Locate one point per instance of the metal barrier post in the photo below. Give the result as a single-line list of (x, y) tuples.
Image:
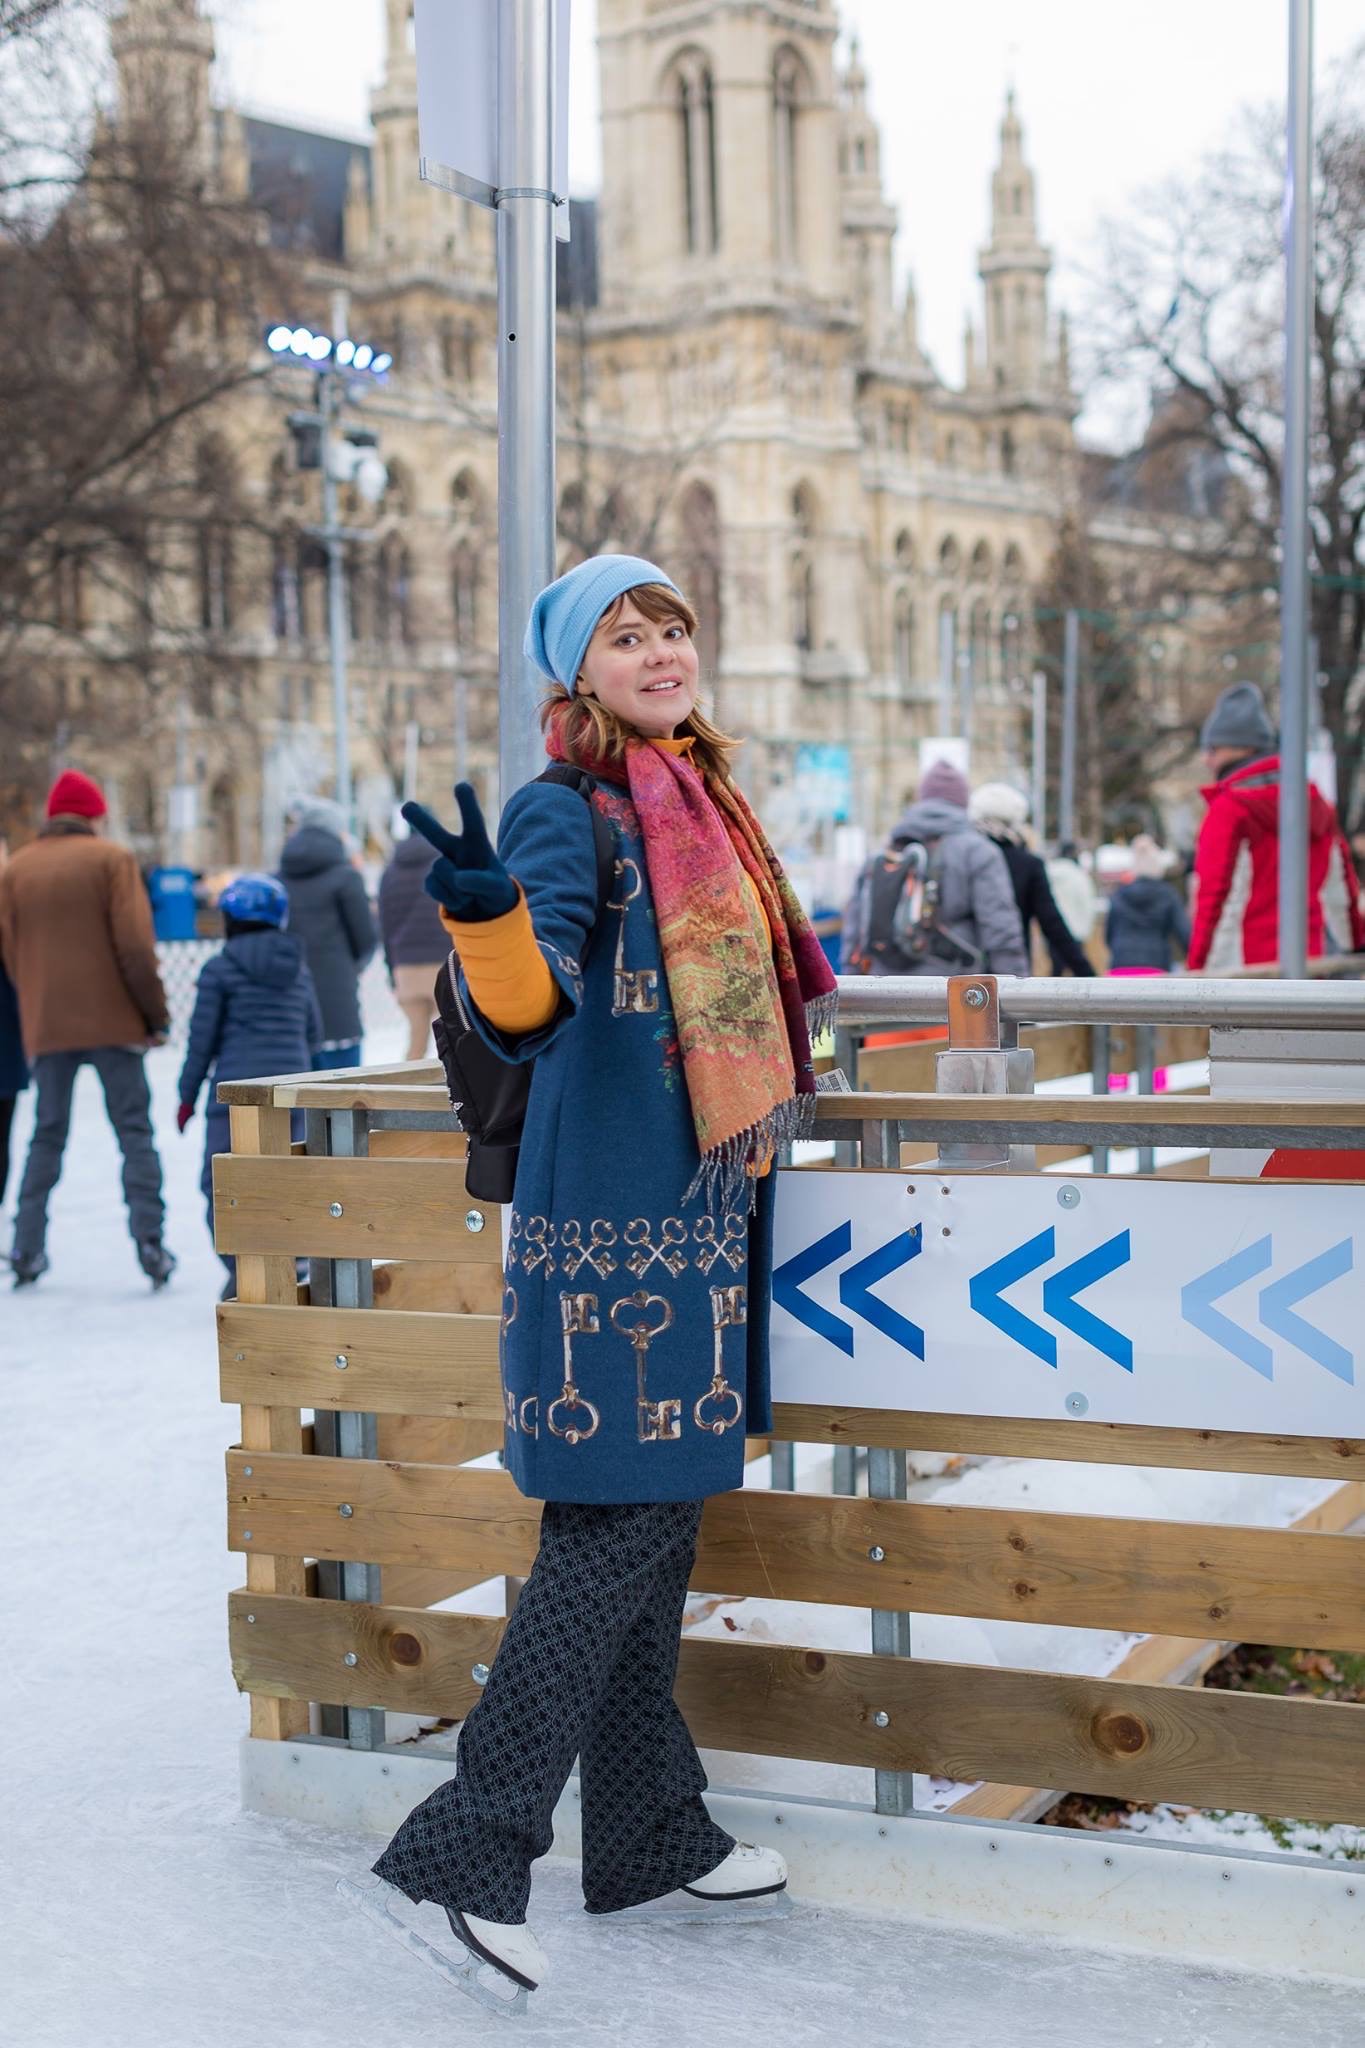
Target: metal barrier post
[(346, 1283), (1099, 1080), (1145, 1040), (887, 1480)]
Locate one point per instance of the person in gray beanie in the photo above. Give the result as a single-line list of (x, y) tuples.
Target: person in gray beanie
[(973, 916), (1237, 860), (330, 912)]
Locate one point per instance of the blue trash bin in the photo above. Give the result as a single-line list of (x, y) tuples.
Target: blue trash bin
[(173, 906)]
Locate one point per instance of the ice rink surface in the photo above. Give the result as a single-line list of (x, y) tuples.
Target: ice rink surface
[(143, 1909)]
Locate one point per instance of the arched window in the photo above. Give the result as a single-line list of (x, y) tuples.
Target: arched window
[(904, 550), (1014, 562), (1007, 452), (980, 642), (285, 616), (699, 554), (801, 582), (949, 557), (696, 114), (215, 577), (70, 598), (788, 93), (903, 639), (981, 562), (617, 524), (312, 590), (464, 592)]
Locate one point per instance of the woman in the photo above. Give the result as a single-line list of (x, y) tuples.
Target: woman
[(672, 1051), (1146, 919), (411, 934), (1002, 813)]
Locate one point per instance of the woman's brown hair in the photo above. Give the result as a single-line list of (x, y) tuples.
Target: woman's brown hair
[(590, 732)]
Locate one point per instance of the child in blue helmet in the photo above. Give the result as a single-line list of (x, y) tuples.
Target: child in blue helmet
[(255, 1012)]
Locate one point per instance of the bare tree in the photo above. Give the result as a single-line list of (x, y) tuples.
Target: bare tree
[(131, 286), (1189, 304)]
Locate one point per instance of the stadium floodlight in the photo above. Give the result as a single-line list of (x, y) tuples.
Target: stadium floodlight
[(310, 347)]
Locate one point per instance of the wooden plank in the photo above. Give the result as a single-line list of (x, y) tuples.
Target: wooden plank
[(1059, 1050), (1117, 1112), (1243, 1751), (1080, 1571), (262, 1092), (427, 1285), (432, 1098), (418, 1145), (435, 1439), (1097, 1443), (406, 1361), (258, 1132), (401, 1208)]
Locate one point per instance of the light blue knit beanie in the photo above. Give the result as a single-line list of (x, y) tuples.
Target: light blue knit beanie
[(564, 617)]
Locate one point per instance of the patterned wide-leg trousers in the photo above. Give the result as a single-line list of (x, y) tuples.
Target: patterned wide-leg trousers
[(586, 1669)]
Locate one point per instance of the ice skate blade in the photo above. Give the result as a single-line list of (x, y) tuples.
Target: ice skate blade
[(682, 1909), (383, 1904)]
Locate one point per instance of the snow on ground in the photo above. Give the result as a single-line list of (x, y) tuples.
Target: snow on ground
[(143, 1909)]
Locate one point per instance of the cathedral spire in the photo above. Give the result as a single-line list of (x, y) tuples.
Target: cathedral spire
[(163, 55), (1014, 267)]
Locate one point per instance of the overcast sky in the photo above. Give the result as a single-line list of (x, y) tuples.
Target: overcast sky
[(1112, 97)]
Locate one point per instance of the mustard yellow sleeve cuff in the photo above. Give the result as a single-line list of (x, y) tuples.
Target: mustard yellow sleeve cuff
[(505, 968)]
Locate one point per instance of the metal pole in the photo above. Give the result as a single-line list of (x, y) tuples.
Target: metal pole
[(947, 637), (967, 697), (1298, 265), (887, 1479), (526, 365), (1040, 753), (335, 544), (1071, 676)]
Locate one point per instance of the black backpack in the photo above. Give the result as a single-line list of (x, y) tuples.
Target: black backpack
[(896, 916), (489, 1094)]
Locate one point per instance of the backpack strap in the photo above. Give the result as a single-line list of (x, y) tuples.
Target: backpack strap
[(604, 845)]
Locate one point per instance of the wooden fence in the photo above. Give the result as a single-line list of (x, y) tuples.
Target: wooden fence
[(423, 1360)]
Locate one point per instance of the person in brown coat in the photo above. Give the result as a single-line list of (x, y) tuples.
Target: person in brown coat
[(76, 940)]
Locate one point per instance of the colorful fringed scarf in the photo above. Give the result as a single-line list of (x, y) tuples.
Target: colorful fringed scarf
[(747, 998)]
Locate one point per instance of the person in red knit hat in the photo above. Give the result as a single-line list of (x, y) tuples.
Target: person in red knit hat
[(76, 940)]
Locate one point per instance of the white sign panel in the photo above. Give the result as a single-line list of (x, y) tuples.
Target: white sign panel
[(457, 99), (1181, 1304)]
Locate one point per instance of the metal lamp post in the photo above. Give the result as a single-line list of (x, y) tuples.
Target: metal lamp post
[(1294, 540)]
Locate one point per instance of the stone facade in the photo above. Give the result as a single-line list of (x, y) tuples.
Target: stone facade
[(742, 393)]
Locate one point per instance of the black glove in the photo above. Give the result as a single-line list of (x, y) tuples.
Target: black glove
[(468, 880)]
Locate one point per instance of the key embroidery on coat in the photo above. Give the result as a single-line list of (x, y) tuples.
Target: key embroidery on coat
[(635, 991), (656, 1421), (538, 1250), (728, 1311), (578, 1418), (733, 1247), (595, 1253), (672, 1233), (505, 1322)]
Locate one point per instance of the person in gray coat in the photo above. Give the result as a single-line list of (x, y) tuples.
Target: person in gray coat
[(414, 939), (976, 898), (330, 912)]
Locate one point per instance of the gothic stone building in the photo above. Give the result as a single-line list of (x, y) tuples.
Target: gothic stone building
[(742, 393)]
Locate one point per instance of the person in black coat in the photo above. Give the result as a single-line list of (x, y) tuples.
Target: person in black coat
[(255, 1012), (1002, 813), (13, 1070), (415, 941), (1147, 919), (330, 912)]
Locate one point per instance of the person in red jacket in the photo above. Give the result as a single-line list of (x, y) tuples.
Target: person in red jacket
[(1237, 860)]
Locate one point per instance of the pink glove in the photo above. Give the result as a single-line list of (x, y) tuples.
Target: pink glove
[(183, 1115)]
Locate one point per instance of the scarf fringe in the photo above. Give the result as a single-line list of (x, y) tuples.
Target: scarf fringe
[(724, 1179), (822, 1013)]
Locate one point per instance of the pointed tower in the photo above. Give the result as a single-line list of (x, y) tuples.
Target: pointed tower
[(720, 151), (869, 223), (163, 55), (409, 226), (1014, 267)]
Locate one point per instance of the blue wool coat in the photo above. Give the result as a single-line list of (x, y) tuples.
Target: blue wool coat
[(634, 1343)]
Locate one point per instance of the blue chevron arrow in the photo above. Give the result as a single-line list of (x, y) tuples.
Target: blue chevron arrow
[(791, 1277), (1277, 1305), (854, 1288), (1198, 1296), (987, 1287), (1060, 1290)]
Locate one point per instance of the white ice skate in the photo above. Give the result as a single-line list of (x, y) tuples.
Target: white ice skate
[(491, 1962), (751, 1884)]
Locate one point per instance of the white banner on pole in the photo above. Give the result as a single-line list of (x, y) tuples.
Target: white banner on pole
[(1176, 1304), (457, 100)]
